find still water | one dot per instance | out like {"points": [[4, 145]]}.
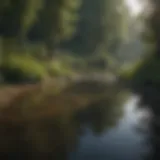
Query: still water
{"points": [[111, 139]]}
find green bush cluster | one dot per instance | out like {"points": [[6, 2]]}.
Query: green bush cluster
{"points": [[143, 73], [17, 68], [148, 72], [58, 68]]}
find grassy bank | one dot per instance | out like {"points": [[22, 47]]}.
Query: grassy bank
{"points": [[17, 68]]}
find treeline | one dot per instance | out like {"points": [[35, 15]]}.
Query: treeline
{"points": [[97, 25], [146, 79], [40, 28], [146, 76], [30, 31], [46, 21], [102, 27]]}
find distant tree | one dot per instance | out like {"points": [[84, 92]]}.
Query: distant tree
{"points": [[51, 20], [57, 22], [103, 24]]}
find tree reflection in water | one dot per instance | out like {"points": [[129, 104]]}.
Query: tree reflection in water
{"points": [[52, 137], [150, 99], [101, 115]]}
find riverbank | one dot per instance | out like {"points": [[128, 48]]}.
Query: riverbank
{"points": [[10, 91], [54, 96], [44, 116]]}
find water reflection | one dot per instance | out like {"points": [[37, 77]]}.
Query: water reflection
{"points": [[150, 99], [100, 116], [154, 139], [104, 129], [119, 142]]}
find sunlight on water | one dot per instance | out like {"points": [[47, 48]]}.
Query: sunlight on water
{"points": [[121, 142]]}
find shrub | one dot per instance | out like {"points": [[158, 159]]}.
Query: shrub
{"points": [[57, 68], [20, 68]]}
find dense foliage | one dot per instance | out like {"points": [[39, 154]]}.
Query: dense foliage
{"points": [[40, 28], [102, 27], [147, 75], [52, 20]]}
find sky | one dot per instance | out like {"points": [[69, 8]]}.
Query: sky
{"points": [[135, 6]]}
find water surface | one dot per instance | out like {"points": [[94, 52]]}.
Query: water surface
{"points": [[121, 141]]}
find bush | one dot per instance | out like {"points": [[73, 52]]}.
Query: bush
{"points": [[57, 68], [148, 72], [143, 74], [19, 69]]}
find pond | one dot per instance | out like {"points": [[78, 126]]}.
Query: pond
{"points": [[106, 126], [120, 141]]}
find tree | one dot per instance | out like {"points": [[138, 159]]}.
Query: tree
{"points": [[57, 22], [116, 23], [29, 15], [54, 20], [103, 24]]}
